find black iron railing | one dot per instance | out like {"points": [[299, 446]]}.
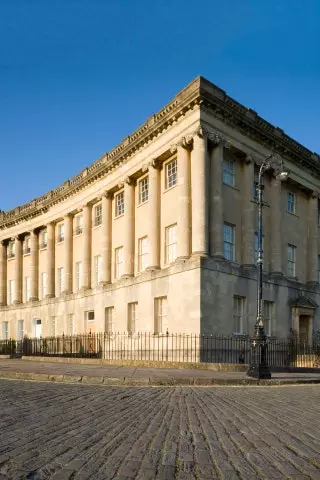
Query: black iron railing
{"points": [[175, 347]]}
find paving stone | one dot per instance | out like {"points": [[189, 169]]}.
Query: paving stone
{"points": [[61, 431]]}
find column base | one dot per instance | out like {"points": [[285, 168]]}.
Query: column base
{"points": [[33, 299], [84, 289], [66, 292], [104, 283], [312, 284], [152, 267], [17, 302], [49, 295], [218, 256], [127, 275], [248, 266], [276, 274]]}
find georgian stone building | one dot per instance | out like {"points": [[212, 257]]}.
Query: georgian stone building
{"points": [[160, 233]]}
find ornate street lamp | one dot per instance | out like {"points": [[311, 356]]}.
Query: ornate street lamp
{"points": [[258, 367]]}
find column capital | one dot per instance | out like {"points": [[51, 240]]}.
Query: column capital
{"points": [[249, 159], [120, 184], [152, 164], [184, 142], [107, 194], [128, 181], [68, 215], [4, 242], [314, 194]]}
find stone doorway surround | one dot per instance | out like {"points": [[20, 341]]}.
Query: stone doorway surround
{"points": [[302, 317]]}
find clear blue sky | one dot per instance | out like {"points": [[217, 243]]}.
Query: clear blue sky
{"points": [[76, 76]]}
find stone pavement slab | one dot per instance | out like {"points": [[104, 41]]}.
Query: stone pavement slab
{"points": [[125, 375], [59, 431]]}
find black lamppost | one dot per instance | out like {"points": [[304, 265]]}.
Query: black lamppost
{"points": [[258, 367]]}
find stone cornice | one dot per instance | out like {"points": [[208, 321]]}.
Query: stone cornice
{"points": [[200, 92]]}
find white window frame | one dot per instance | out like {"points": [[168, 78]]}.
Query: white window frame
{"points": [[98, 215], [119, 204], [268, 309], [11, 249], [27, 246], [60, 237], [43, 239], [53, 326], [170, 243], [5, 330], [60, 280], [160, 315], [291, 203], [11, 291], [143, 190], [118, 262], [78, 275], [229, 242], [132, 317], [291, 260], [108, 323], [97, 261], [78, 224], [238, 314], [171, 173], [70, 323], [143, 253], [229, 172], [27, 288], [20, 331], [43, 284], [89, 318]]}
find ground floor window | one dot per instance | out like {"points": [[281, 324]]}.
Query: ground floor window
{"points": [[20, 330], [108, 328], [5, 330], [160, 315], [132, 317], [238, 313]]}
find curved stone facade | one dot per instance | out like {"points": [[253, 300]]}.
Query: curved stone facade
{"points": [[138, 240]]}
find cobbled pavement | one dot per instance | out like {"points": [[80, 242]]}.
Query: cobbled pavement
{"points": [[58, 431]]}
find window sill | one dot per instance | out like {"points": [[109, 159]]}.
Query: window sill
{"points": [[170, 188], [142, 203], [94, 227], [233, 187], [27, 254], [43, 248], [293, 214], [118, 216], [10, 258]]}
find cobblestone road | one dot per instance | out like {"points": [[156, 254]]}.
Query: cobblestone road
{"points": [[77, 432]]}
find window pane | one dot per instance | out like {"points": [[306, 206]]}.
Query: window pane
{"points": [[171, 173]]}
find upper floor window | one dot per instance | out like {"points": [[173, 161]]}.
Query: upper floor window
{"points": [[171, 244], [229, 172], [144, 190], [78, 224], [11, 292], [238, 313], [43, 284], [78, 278], [70, 324], [20, 330], [97, 269], [291, 259], [60, 237], [5, 330], [98, 215], [118, 253], [43, 237], [171, 171], [291, 205], [228, 241], [60, 280], [119, 204], [11, 249], [27, 245], [27, 288], [143, 254]]}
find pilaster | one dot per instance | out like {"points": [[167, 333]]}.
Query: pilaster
{"points": [[18, 270], [3, 273], [248, 214], [34, 266], [275, 227], [312, 249], [87, 247], [50, 260], [106, 238], [154, 216], [128, 241], [216, 199], [68, 253]]}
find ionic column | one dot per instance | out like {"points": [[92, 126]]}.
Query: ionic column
{"points": [[248, 212], [50, 260], [199, 195], [18, 270], [3, 273], [312, 259], [216, 200], [275, 226], [68, 253], [87, 235], [106, 238], [34, 267], [184, 198], [154, 216], [128, 241]]}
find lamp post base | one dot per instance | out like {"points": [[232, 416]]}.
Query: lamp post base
{"points": [[258, 367]]}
